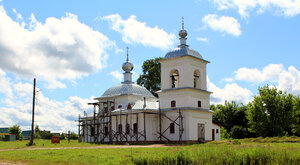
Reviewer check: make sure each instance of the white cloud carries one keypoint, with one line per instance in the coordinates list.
(202, 39)
(223, 24)
(49, 114)
(228, 79)
(231, 92)
(282, 7)
(117, 74)
(288, 80)
(268, 73)
(133, 31)
(60, 48)
(5, 85)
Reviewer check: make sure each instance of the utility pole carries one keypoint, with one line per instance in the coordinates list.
(33, 107)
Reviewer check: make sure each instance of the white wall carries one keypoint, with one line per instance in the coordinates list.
(194, 117)
(184, 98)
(186, 66)
(217, 133)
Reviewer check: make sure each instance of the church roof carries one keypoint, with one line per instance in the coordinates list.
(127, 89)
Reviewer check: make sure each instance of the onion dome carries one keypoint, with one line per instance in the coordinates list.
(182, 49)
(127, 66)
(127, 87)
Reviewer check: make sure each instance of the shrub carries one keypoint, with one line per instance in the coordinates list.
(236, 141)
(73, 136)
(15, 129)
(224, 134)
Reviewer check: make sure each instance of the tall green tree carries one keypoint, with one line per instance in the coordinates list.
(232, 117)
(150, 78)
(296, 114)
(271, 112)
(15, 129)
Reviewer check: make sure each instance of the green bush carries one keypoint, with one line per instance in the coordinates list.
(224, 134)
(236, 141)
(15, 129)
(74, 135)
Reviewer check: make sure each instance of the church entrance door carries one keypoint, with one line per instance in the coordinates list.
(201, 132)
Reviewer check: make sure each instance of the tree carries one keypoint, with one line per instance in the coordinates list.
(15, 129)
(37, 132)
(150, 78)
(271, 113)
(296, 114)
(232, 117)
(45, 134)
(73, 135)
(230, 114)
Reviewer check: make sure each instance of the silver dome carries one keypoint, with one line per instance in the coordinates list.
(127, 66)
(127, 89)
(182, 33)
(182, 51)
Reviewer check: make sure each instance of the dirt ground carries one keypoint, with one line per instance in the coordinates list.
(91, 147)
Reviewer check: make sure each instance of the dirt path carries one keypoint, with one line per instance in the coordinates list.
(91, 147)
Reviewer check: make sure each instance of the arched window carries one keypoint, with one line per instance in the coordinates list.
(172, 128)
(173, 103)
(105, 130)
(135, 128)
(92, 131)
(174, 78)
(199, 104)
(127, 129)
(120, 128)
(196, 79)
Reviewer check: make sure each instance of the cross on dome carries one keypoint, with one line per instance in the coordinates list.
(127, 54)
(182, 23)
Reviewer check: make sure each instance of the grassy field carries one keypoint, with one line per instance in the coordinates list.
(39, 143)
(250, 151)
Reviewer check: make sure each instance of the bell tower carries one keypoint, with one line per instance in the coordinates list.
(183, 77)
(183, 98)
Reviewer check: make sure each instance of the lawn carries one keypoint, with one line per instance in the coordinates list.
(224, 152)
(39, 143)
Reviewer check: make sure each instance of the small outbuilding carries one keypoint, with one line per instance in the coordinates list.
(8, 137)
(26, 134)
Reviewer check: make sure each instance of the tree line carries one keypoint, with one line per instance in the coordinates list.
(38, 133)
(271, 113)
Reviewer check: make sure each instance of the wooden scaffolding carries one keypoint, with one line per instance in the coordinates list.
(177, 121)
(98, 127)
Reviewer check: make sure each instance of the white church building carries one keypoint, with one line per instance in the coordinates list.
(129, 113)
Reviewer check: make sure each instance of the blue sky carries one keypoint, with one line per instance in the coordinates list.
(75, 49)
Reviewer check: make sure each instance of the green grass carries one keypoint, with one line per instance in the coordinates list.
(40, 143)
(224, 154)
(68, 156)
(211, 153)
